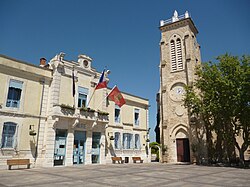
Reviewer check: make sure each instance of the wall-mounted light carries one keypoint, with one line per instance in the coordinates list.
(32, 131)
(110, 135)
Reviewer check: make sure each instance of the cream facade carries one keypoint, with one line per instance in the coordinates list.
(21, 114)
(72, 134)
(127, 131)
(43, 121)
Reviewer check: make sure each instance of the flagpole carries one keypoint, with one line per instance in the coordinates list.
(102, 76)
(91, 97)
(74, 87)
(106, 97)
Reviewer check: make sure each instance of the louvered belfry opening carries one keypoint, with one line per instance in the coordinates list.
(176, 55)
(179, 54)
(173, 56)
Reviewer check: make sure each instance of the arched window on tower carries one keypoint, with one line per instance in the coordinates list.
(176, 55)
(179, 54)
(173, 55)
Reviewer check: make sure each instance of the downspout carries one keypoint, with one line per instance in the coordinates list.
(42, 81)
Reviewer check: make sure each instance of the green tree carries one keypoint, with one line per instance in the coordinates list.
(220, 98)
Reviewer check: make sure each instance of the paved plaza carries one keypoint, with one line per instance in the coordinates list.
(140, 175)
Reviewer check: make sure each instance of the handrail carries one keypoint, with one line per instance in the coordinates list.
(173, 19)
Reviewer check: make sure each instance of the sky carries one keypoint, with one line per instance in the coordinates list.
(122, 35)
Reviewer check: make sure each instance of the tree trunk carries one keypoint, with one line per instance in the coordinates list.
(241, 150)
(242, 163)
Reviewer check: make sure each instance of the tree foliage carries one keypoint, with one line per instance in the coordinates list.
(155, 149)
(220, 98)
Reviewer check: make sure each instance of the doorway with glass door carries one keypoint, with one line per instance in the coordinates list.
(96, 137)
(79, 147)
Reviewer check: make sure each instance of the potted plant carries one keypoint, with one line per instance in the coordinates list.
(103, 113)
(67, 106)
(87, 109)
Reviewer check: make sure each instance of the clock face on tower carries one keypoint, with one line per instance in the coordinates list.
(177, 92)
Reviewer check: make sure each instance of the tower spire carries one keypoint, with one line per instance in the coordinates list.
(175, 17)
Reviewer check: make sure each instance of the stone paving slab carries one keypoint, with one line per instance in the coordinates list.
(121, 175)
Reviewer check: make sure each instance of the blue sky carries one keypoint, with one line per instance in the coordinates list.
(122, 35)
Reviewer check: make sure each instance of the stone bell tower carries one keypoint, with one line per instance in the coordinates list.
(179, 54)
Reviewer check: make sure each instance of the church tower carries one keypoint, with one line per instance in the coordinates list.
(179, 55)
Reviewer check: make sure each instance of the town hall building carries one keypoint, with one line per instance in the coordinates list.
(53, 115)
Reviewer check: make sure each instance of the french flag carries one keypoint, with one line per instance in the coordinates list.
(102, 82)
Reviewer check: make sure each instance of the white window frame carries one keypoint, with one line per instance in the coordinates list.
(127, 141)
(14, 138)
(16, 84)
(117, 141)
(85, 92)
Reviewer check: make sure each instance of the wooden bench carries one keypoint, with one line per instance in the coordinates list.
(15, 162)
(137, 158)
(117, 159)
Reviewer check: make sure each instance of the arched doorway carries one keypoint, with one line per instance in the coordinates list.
(182, 144)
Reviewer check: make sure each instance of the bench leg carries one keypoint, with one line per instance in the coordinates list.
(28, 166)
(9, 167)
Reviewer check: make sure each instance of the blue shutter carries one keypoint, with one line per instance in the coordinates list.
(117, 140)
(83, 90)
(137, 141)
(8, 135)
(16, 84)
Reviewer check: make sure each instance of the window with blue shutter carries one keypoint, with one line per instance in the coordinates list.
(117, 140)
(127, 141)
(137, 141)
(14, 94)
(8, 135)
(82, 96)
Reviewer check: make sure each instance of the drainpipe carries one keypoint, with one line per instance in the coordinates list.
(42, 81)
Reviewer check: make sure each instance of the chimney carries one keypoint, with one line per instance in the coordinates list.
(43, 62)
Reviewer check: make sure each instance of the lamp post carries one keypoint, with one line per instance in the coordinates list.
(148, 150)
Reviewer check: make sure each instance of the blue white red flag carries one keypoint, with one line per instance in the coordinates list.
(102, 82)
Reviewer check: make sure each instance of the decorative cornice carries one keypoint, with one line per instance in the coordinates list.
(139, 129)
(179, 23)
(23, 115)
